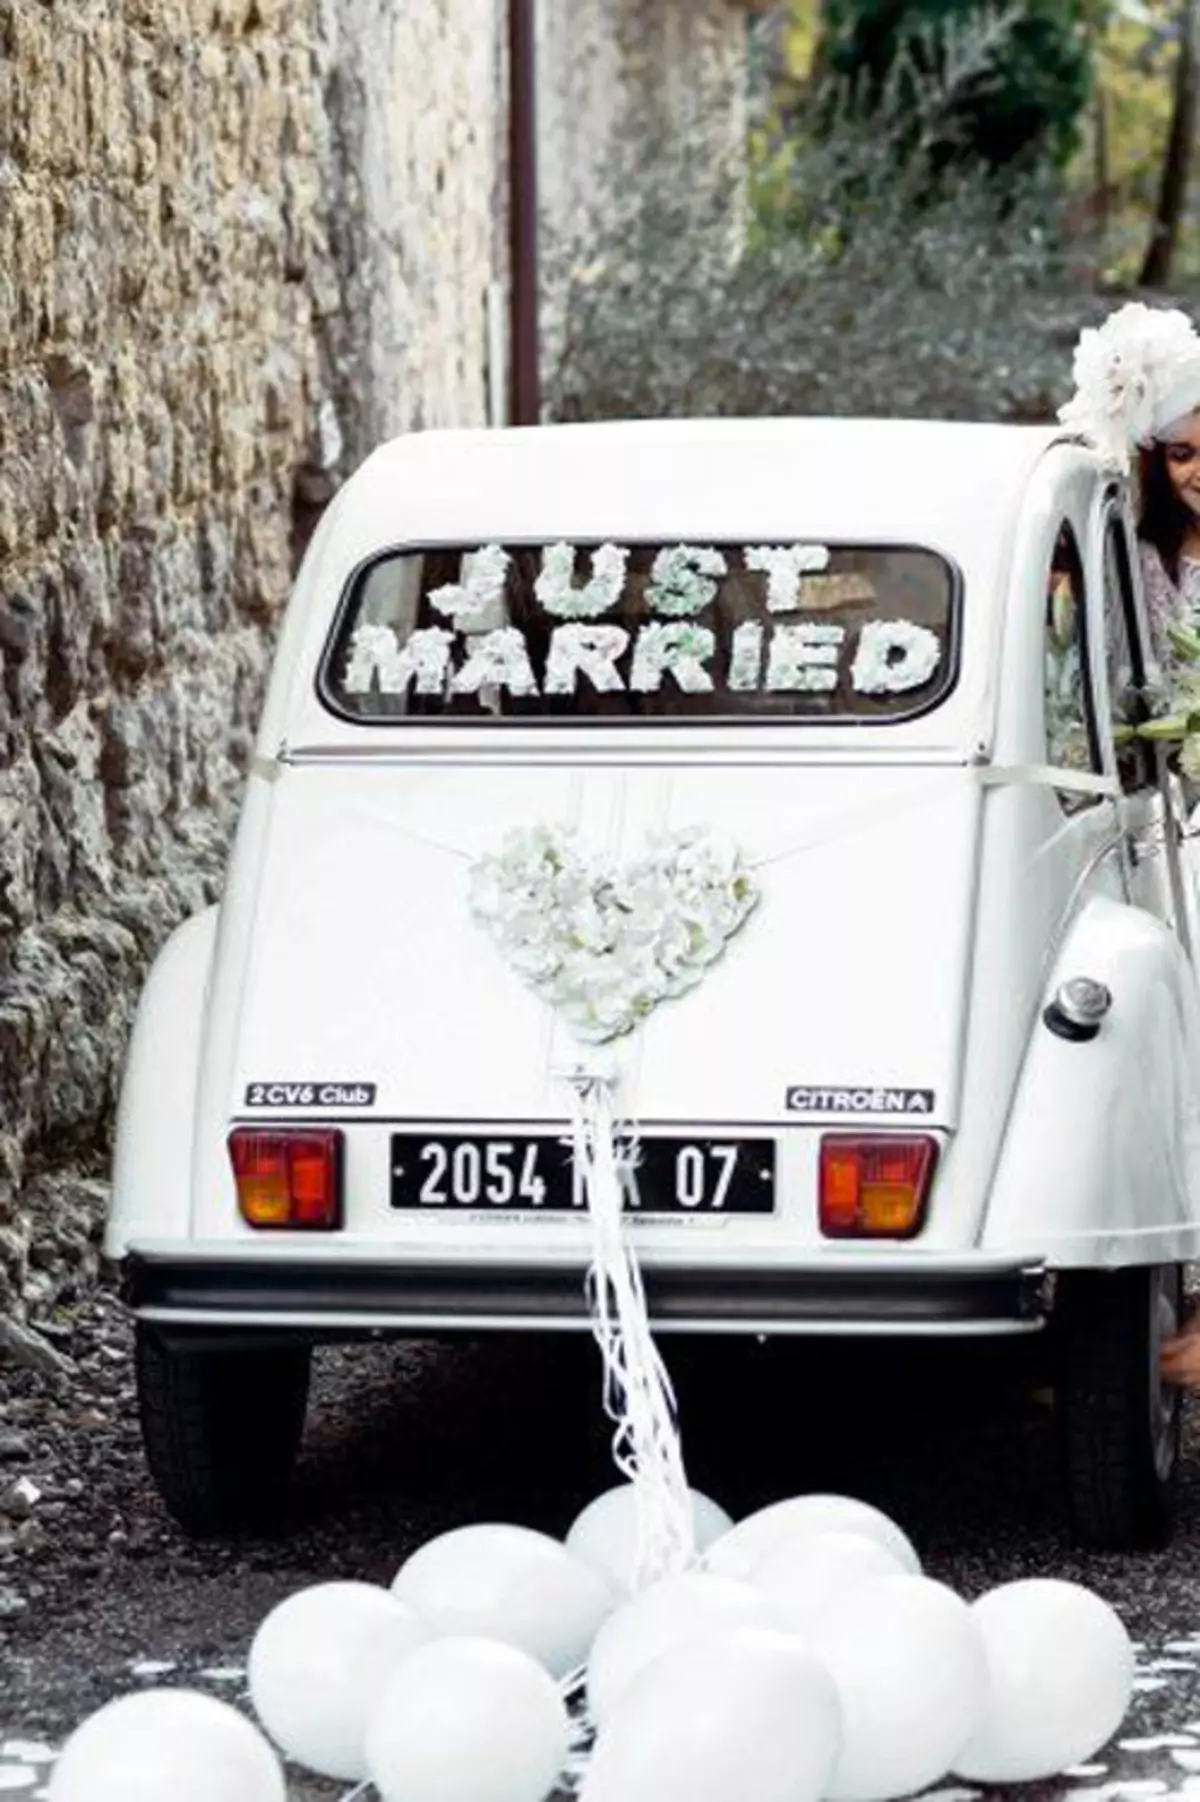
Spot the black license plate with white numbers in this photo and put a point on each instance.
(481, 1173)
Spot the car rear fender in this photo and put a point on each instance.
(151, 1194)
(1100, 1163)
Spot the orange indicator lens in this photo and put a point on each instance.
(874, 1187)
(288, 1179)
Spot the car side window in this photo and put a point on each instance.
(1071, 738)
(1124, 660)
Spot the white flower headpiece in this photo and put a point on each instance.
(1134, 377)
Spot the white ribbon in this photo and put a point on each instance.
(638, 1395)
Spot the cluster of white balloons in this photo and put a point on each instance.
(805, 1657)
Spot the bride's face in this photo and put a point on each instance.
(1181, 453)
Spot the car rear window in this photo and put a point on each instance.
(614, 630)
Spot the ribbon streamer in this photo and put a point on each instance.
(638, 1395)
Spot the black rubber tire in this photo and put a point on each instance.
(1119, 1427)
(221, 1429)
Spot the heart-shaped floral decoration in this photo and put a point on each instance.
(604, 943)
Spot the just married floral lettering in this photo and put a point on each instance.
(487, 633)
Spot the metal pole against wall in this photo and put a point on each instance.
(523, 251)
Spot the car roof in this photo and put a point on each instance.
(929, 481)
(950, 486)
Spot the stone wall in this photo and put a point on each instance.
(643, 102)
(628, 83)
(239, 240)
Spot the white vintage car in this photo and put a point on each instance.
(944, 1081)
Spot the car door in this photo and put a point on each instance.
(1123, 658)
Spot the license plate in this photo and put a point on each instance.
(457, 1172)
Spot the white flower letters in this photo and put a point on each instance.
(486, 651)
(478, 600)
(555, 587)
(784, 566)
(591, 651)
(805, 657)
(681, 579)
(377, 654)
(894, 655)
(679, 649)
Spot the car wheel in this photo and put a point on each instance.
(221, 1428)
(1119, 1423)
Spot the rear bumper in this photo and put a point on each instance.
(336, 1299)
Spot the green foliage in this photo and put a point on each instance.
(1016, 103)
(867, 257)
(1118, 167)
(938, 304)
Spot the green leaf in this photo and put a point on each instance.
(1175, 725)
(1185, 642)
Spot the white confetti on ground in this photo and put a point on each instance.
(951, 1795)
(1170, 1664)
(1157, 1742)
(28, 1751)
(225, 1673)
(152, 1667)
(17, 1776)
(1144, 1685)
(1184, 1645)
(1085, 1770)
(1187, 1761)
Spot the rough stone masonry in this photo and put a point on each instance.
(200, 328)
(240, 240)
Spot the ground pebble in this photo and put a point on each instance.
(11, 1604)
(20, 1498)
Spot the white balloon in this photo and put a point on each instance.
(467, 1720)
(648, 1625)
(746, 1713)
(1061, 1680)
(804, 1578)
(318, 1661)
(605, 1533)
(908, 1659)
(167, 1742)
(741, 1549)
(511, 1584)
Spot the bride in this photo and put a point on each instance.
(1137, 380)
(1137, 399)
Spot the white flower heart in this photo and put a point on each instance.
(605, 943)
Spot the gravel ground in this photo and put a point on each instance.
(97, 1586)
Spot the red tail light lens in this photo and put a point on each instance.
(875, 1188)
(288, 1179)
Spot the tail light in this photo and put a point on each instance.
(875, 1188)
(288, 1179)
